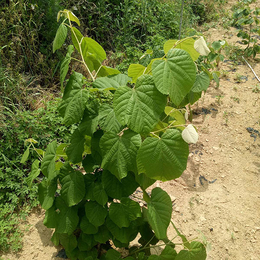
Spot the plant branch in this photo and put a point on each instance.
(80, 51)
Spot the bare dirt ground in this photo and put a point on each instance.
(217, 199)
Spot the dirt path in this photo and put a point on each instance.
(218, 197)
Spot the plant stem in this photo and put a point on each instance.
(80, 50)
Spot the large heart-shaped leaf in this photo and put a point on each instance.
(175, 75)
(123, 213)
(124, 235)
(163, 158)
(76, 147)
(135, 71)
(201, 83)
(73, 188)
(91, 47)
(118, 189)
(46, 191)
(119, 152)
(95, 213)
(139, 107)
(87, 227)
(107, 119)
(74, 100)
(159, 212)
(68, 218)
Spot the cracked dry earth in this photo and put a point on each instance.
(217, 199)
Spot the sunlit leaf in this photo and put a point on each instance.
(119, 152)
(60, 37)
(159, 212)
(175, 75)
(184, 44)
(163, 158)
(139, 107)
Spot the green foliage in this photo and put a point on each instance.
(28, 28)
(18, 191)
(16, 199)
(247, 21)
(126, 139)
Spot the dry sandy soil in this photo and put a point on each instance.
(217, 199)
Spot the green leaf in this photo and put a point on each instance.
(46, 191)
(186, 44)
(163, 158)
(112, 254)
(124, 235)
(123, 213)
(76, 37)
(139, 107)
(176, 114)
(95, 147)
(64, 67)
(118, 189)
(73, 17)
(197, 251)
(25, 155)
(97, 193)
(121, 79)
(159, 212)
(107, 71)
(95, 213)
(73, 188)
(55, 239)
(60, 37)
(35, 171)
(50, 220)
(201, 83)
(190, 98)
(48, 161)
(87, 227)
(68, 218)
(91, 47)
(216, 45)
(144, 180)
(89, 163)
(74, 100)
(168, 253)
(89, 123)
(107, 119)
(147, 235)
(68, 242)
(175, 75)
(135, 71)
(76, 147)
(119, 152)
(103, 235)
(112, 185)
(129, 184)
(86, 242)
(105, 83)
